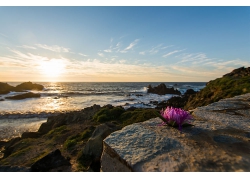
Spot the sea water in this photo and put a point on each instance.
(17, 116)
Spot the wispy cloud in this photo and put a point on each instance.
(82, 54)
(101, 54)
(131, 45)
(27, 56)
(170, 53)
(155, 49)
(27, 47)
(107, 50)
(165, 47)
(3, 35)
(122, 61)
(54, 48)
(117, 47)
(194, 58)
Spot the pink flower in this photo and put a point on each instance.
(176, 116)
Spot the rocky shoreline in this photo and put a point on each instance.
(73, 141)
(23, 87)
(70, 133)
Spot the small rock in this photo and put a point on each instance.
(24, 96)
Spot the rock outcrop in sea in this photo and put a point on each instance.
(5, 88)
(24, 96)
(218, 142)
(161, 89)
(176, 101)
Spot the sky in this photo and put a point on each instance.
(122, 43)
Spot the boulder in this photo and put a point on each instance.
(24, 96)
(54, 161)
(161, 89)
(2, 144)
(5, 88)
(9, 146)
(28, 86)
(30, 135)
(189, 92)
(93, 148)
(218, 142)
(176, 101)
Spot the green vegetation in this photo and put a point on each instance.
(138, 115)
(219, 88)
(69, 143)
(87, 133)
(73, 140)
(108, 114)
(21, 152)
(57, 131)
(124, 117)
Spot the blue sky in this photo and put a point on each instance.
(160, 44)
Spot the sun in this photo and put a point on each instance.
(52, 68)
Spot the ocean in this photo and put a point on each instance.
(18, 116)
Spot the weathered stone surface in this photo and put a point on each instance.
(93, 148)
(219, 141)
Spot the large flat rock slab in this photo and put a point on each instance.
(219, 141)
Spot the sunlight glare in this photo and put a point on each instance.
(52, 68)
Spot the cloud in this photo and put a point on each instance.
(101, 54)
(82, 54)
(122, 61)
(170, 53)
(27, 47)
(3, 35)
(155, 49)
(107, 50)
(54, 48)
(165, 47)
(131, 45)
